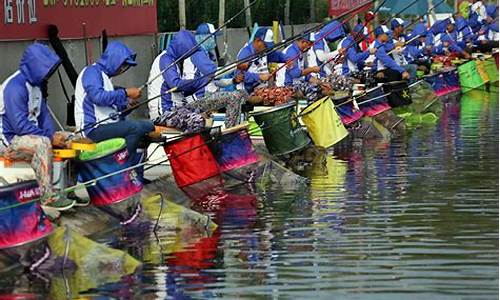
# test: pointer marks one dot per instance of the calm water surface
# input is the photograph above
(413, 218)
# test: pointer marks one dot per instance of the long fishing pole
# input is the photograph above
(365, 93)
(291, 60)
(198, 45)
(358, 39)
(225, 69)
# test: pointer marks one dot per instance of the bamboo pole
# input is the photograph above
(312, 11)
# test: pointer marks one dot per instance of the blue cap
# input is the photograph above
(381, 29)
(206, 28)
(397, 22)
(266, 35)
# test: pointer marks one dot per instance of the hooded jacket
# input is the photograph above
(183, 42)
(96, 98)
(23, 108)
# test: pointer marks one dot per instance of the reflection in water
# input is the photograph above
(415, 217)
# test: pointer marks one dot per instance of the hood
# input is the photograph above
(114, 56)
(492, 10)
(460, 23)
(332, 31)
(182, 42)
(38, 63)
(420, 30)
(439, 26)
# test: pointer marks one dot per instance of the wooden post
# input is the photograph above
(248, 14)
(222, 16)
(182, 14)
(312, 11)
(287, 12)
(433, 13)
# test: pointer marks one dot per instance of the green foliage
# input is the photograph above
(263, 12)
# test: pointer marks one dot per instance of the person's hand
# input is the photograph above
(315, 69)
(239, 78)
(342, 51)
(400, 44)
(61, 139)
(373, 50)
(379, 75)
(405, 75)
(326, 89)
(133, 93)
(132, 102)
(243, 66)
(265, 76)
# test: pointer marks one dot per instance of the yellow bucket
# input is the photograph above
(323, 123)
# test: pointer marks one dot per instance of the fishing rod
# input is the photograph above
(195, 48)
(224, 70)
(291, 60)
(358, 39)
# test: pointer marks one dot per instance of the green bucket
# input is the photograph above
(281, 129)
(469, 77)
(103, 148)
(491, 69)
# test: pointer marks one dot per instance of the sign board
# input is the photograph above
(29, 19)
(337, 7)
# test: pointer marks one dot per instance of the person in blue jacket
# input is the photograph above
(296, 69)
(386, 69)
(354, 57)
(256, 72)
(96, 99)
(26, 127)
(320, 54)
(183, 109)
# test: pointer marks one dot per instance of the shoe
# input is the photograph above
(78, 201)
(60, 204)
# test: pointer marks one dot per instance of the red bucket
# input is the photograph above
(191, 159)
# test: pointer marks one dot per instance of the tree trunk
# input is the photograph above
(248, 14)
(287, 12)
(182, 14)
(312, 11)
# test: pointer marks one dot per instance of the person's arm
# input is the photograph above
(46, 121)
(250, 78)
(17, 112)
(94, 88)
(387, 60)
(356, 57)
(173, 79)
(276, 57)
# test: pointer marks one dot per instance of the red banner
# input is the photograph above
(337, 7)
(28, 19)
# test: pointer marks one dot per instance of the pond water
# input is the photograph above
(411, 218)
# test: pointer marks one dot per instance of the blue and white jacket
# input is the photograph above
(23, 109)
(383, 60)
(95, 97)
(354, 58)
(292, 73)
(257, 66)
(199, 65)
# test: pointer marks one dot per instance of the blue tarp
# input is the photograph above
(417, 9)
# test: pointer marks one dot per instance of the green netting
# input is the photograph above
(424, 100)
(96, 264)
(253, 128)
(103, 148)
(415, 119)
